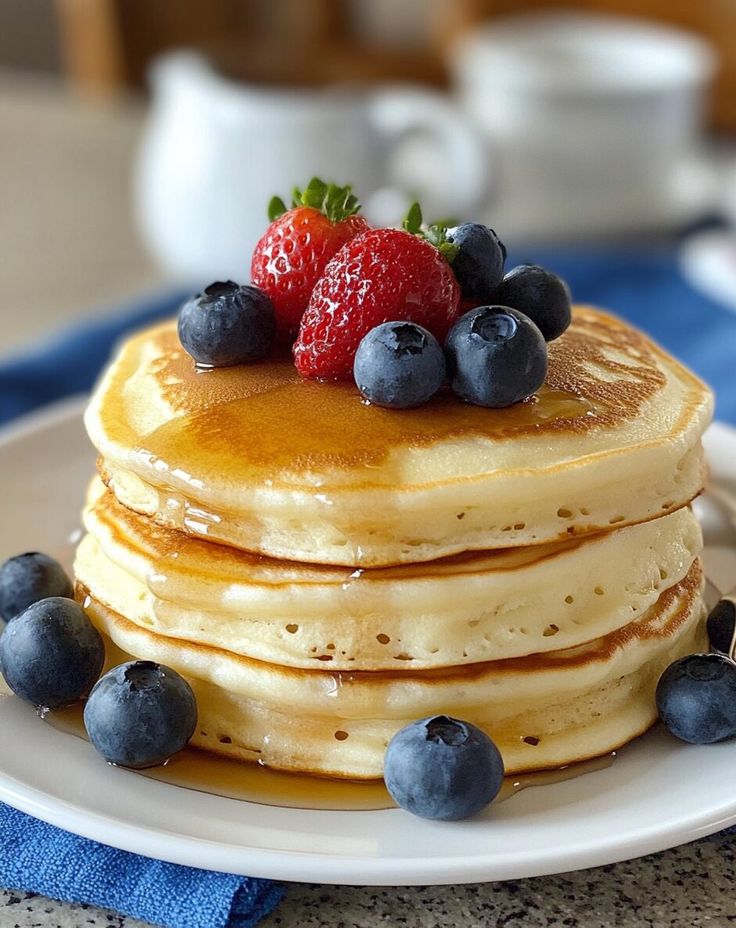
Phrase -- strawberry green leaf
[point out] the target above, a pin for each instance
(413, 219)
(448, 251)
(276, 208)
(435, 234)
(335, 202)
(313, 194)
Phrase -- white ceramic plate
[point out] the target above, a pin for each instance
(708, 262)
(654, 796)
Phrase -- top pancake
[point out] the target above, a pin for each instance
(258, 458)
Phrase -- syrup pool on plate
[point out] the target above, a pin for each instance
(209, 773)
(250, 782)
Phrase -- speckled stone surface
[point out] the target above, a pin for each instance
(693, 886)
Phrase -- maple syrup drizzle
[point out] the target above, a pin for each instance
(210, 441)
(245, 781)
(220, 776)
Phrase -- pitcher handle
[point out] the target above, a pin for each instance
(398, 112)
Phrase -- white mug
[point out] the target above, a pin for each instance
(215, 151)
(595, 120)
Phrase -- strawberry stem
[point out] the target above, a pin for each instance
(435, 234)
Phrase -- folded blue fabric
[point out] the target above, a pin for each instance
(69, 362)
(36, 857)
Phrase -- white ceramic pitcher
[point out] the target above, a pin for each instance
(215, 151)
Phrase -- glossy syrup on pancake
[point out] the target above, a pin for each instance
(259, 459)
(268, 420)
(329, 424)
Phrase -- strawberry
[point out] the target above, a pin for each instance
(293, 252)
(381, 276)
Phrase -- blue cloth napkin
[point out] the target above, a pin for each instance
(39, 858)
(69, 362)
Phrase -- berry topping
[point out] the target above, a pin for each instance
(442, 768)
(721, 625)
(227, 324)
(294, 251)
(399, 364)
(539, 294)
(696, 698)
(140, 714)
(27, 578)
(496, 356)
(478, 262)
(381, 276)
(51, 654)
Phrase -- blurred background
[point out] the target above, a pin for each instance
(141, 141)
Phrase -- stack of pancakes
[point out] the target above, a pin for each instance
(324, 571)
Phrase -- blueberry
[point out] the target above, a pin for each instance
(720, 625)
(51, 654)
(227, 324)
(539, 294)
(442, 768)
(478, 264)
(140, 714)
(399, 364)
(27, 578)
(696, 698)
(496, 356)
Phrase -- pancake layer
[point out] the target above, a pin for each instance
(259, 459)
(467, 609)
(324, 572)
(543, 710)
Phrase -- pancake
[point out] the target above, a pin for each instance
(259, 459)
(466, 609)
(543, 711)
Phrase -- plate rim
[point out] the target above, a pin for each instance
(50, 415)
(299, 867)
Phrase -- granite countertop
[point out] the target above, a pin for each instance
(687, 887)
